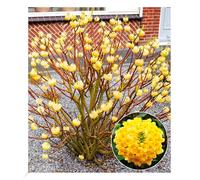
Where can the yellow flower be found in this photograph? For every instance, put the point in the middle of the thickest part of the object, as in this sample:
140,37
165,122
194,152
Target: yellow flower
129,45
39,101
95,53
44,64
139,92
72,68
127,100
166,109
136,49
127,28
35,54
145,90
131,37
110,59
167,99
114,118
107,77
52,82
127,76
33,72
149,104
159,98
45,156
56,107
139,141
107,106
154,93
36,77
93,59
112,22
117,95
113,35
93,114
96,19
40,109
55,130
87,47
66,128
44,54
74,24
139,69
81,157
164,92
69,48
46,146
161,59
78,85
44,136
140,32
67,17
139,62
76,122
164,53
125,19
145,52
42,47
33,63
64,65
34,126
149,76
87,40
97,66
115,67
80,54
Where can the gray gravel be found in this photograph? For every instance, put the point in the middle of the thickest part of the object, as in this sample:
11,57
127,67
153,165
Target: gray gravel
64,161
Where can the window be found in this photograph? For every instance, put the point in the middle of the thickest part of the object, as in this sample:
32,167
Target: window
61,11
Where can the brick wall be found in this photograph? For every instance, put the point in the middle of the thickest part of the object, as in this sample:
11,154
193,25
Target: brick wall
150,22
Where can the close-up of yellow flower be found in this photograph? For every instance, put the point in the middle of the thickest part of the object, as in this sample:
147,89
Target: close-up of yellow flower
139,62
44,136
76,122
117,95
97,65
56,130
34,126
78,85
81,157
46,146
52,82
93,114
107,77
139,141
45,156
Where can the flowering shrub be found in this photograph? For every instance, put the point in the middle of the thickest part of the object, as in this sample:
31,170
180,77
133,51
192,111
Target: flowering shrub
139,141
98,79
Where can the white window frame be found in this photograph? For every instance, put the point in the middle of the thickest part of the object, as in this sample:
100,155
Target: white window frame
138,11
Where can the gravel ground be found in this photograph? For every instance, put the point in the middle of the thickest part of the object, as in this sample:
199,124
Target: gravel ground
65,161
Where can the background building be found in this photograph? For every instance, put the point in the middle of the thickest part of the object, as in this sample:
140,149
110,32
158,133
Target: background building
155,21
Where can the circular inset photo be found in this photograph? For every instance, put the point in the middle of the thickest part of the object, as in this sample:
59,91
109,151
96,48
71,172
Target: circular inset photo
139,140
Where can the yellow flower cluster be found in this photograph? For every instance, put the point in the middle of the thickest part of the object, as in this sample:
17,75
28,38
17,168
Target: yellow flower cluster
54,106
117,95
56,131
106,106
34,74
78,85
139,141
94,114
76,122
